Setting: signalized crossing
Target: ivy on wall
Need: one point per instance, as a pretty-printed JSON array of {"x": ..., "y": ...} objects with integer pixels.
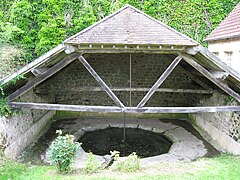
[{"x": 39, "y": 25}]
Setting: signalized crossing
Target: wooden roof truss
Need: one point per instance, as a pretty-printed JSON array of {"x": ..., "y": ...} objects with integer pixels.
[{"x": 120, "y": 107}]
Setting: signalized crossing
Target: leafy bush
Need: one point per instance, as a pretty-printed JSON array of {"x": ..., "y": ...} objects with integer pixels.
[
  {"x": 63, "y": 151},
  {"x": 92, "y": 165},
  {"x": 130, "y": 164},
  {"x": 5, "y": 109}
]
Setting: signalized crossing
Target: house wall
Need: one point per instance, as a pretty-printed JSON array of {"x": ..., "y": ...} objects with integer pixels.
[
  {"x": 229, "y": 45},
  {"x": 221, "y": 129},
  {"x": 17, "y": 132}
]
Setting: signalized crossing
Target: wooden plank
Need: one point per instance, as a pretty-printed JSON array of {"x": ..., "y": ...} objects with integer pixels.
[
  {"x": 81, "y": 108},
  {"x": 129, "y": 50},
  {"x": 191, "y": 60},
  {"x": 57, "y": 67},
  {"x": 158, "y": 83},
  {"x": 65, "y": 107},
  {"x": 183, "y": 109},
  {"x": 100, "y": 81},
  {"x": 99, "y": 89},
  {"x": 39, "y": 71}
]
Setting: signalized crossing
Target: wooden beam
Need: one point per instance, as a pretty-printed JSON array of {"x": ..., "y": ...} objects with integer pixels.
[
  {"x": 65, "y": 107},
  {"x": 70, "y": 49},
  {"x": 39, "y": 71},
  {"x": 80, "y": 108},
  {"x": 57, "y": 67},
  {"x": 221, "y": 75},
  {"x": 192, "y": 50},
  {"x": 192, "y": 61},
  {"x": 99, "y": 89},
  {"x": 218, "y": 62},
  {"x": 100, "y": 81},
  {"x": 158, "y": 83},
  {"x": 128, "y": 50}
]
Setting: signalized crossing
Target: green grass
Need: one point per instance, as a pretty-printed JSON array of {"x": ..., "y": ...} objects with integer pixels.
[{"x": 223, "y": 167}]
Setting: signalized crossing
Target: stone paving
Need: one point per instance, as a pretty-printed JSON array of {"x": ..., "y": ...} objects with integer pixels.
[{"x": 186, "y": 147}]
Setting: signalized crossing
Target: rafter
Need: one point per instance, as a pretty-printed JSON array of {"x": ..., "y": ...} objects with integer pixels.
[
  {"x": 48, "y": 73},
  {"x": 193, "y": 62}
]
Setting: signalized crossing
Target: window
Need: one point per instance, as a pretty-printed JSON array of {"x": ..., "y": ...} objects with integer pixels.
[{"x": 228, "y": 57}]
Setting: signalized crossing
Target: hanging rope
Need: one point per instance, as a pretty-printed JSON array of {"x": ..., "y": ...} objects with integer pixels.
[
  {"x": 130, "y": 97},
  {"x": 130, "y": 80}
]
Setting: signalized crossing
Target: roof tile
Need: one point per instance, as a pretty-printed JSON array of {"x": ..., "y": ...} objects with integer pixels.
[{"x": 130, "y": 26}]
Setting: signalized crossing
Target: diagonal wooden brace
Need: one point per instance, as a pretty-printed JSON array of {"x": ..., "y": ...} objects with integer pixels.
[
  {"x": 191, "y": 60},
  {"x": 48, "y": 73},
  {"x": 101, "y": 82},
  {"x": 158, "y": 83}
]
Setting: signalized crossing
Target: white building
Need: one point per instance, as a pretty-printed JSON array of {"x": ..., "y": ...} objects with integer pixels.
[{"x": 224, "y": 41}]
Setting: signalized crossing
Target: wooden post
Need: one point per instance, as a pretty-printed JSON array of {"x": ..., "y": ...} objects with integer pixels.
[
  {"x": 161, "y": 79},
  {"x": 101, "y": 82},
  {"x": 48, "y": 73},
  {"x": 190, "y": 60}
]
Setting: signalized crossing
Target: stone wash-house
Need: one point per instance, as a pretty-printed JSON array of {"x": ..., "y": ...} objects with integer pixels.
[
  {"x": 127, "y": 62},
  {"x": 224, "y": 41}
]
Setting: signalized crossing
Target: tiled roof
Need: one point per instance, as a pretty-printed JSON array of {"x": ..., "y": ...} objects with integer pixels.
[
  {"x": 228, "y": 28},
  {"x": 130, "y": 26}
]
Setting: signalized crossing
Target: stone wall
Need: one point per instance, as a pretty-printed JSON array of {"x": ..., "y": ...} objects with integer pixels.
[
  {"x": 222, "y": 129},
  {"x": 17, "y": 132},
  {"x": 68, "y": 85}
]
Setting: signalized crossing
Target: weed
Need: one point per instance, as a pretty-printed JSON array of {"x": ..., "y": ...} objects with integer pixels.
[
  {"x": 130, "y": 164},
  {"x": 92, "y": 166}
]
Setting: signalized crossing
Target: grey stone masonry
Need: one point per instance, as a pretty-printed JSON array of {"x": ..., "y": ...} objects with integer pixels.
[
  {"x": 74, "y": 84},
  {"x": 17, "y": 132}
]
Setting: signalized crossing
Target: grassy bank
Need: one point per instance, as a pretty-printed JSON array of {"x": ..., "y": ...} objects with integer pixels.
[{"x": 223, "y": 167}]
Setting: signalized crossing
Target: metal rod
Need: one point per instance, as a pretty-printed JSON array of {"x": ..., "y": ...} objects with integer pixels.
[
  {"x": 130, "y": 81},
  {"x": 124, "y": 127}
]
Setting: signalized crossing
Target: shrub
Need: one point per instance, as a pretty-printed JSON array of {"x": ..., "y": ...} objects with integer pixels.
[
  {"x": 92, "y": 165},
  {"x": 130, "y": 164},
  {"x": 63, "y": 151}
]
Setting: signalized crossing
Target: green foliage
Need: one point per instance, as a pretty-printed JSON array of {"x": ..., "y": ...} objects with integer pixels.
[
  {"x": 92, "y": 165},
  {"x": 10, "y": 169},
  {"x": 5, "y": 109},
  {"x": 222, "y": 167},
  {"x": 63, "y": 151},
  {"x": 230, "y": 100},
  {"x": 38, "y": 26},
  {"x": 11, "y": 59},
  {"x": 8, "y": 31},
  {"x": 130, "y": 164}
]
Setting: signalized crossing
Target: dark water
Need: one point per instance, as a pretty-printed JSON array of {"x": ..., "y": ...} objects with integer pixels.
[{"x": 144, "y": 143}]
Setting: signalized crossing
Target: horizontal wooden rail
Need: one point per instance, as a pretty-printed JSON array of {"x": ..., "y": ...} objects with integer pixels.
[
  {"x": 97, "y": 89},
  {"x": 82, "y": 108}
]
